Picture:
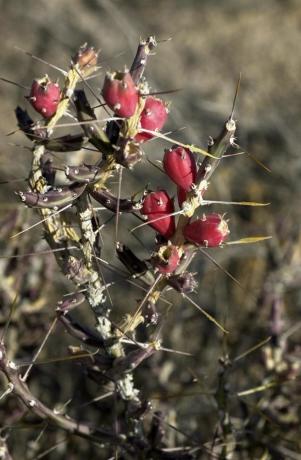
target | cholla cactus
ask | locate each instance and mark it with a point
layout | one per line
(135, 116)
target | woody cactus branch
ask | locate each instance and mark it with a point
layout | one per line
(129, 443)
(21, 390)
(58, 232)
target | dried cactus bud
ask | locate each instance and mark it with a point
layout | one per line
(167, 259)
(158, 206)
(180, 165)
(120, 93)
(85, 57)
(45, 96)
(184, 282)
(210, 231)
(153, 117)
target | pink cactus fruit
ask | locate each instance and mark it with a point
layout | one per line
(158, 206)
(168, 260)
(45, 96)
(180, 165)
(153, 117)
(120, 93)
(211, 230)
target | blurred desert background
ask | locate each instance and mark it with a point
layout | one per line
(203, 47)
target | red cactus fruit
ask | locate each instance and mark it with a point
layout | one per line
(180, 165)
(120, 93)
(45, 96)
(153, 117)
(158, 206)
(167, 260)
(210, 231)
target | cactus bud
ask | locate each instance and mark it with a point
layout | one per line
(179, 164)
(153, 117)
(85, 57)
(120, 93)
(210, 231)
(45, 96)
(155, 206)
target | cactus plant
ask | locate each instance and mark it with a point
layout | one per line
(111, 351)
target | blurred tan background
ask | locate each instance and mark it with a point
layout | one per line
(211, 43)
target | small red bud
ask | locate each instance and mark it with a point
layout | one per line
(156, 205)
(209, 231)
(153, 117)
(120, 93)
(45, 96)
(180, 165)
(167, 259)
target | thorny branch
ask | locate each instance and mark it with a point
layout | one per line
(59, 234)
(130, 443)
(21, 390)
